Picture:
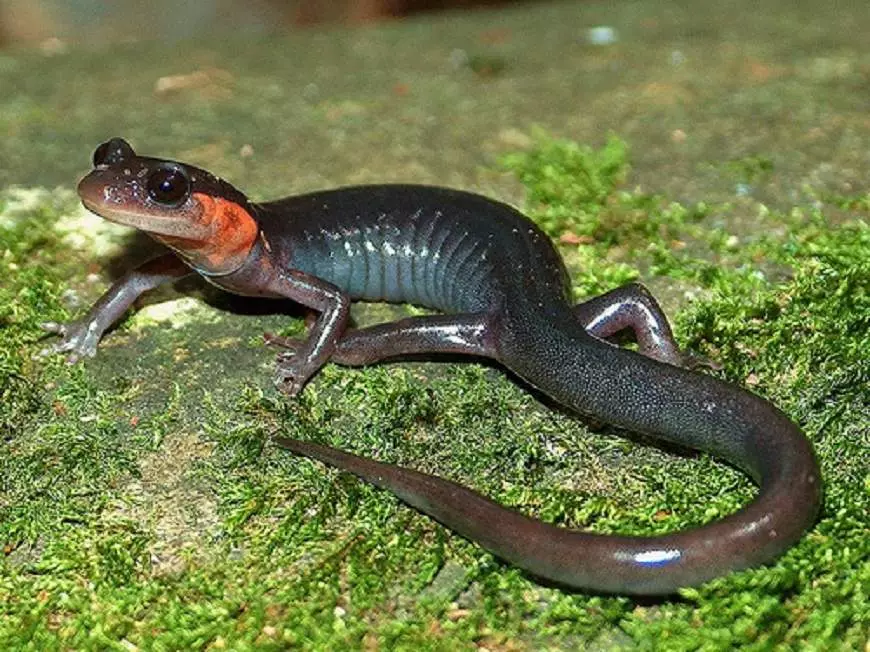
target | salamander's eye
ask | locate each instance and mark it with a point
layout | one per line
(113, 151)
(100, 154)
(168, 186)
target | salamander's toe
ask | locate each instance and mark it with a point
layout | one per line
(289, 343)
(53, 327)
(695, 361)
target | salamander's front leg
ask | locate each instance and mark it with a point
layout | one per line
(296, 367)
(462, 334)
(81, 336)
(633, 307)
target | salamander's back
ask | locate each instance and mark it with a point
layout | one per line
(445, 249)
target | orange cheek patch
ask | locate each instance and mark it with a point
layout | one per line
(233, 235)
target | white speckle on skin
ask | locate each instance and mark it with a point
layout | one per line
(657, 557)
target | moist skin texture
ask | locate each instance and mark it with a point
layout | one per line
(504, 291)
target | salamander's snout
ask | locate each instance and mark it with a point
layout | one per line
(113, 151)
(100, 189)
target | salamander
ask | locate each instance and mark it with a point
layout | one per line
(501, 291)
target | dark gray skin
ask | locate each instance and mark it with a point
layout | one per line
(506, 291)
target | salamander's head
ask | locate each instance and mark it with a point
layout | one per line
(204, 219)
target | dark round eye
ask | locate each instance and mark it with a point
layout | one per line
(169, 186)
(100, 154)
(113, 151)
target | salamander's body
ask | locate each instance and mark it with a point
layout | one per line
(503, 288)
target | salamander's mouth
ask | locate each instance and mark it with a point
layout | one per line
(121, 196)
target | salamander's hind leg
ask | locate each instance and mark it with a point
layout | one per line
(633, 307)
(463, 334)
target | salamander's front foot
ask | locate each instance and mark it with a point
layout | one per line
(291, 373)
(78, 338)
(288, 378)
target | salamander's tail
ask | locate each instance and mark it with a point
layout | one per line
(762, 441)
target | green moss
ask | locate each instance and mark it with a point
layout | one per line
(750, 169)
(158, 515)
(569, 184)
